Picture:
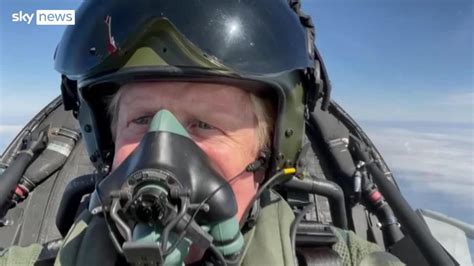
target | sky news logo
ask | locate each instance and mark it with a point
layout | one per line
(46, 17)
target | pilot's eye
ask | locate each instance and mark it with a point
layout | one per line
(143, 120)
(204, 125)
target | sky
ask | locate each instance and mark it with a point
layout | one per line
(402, 69)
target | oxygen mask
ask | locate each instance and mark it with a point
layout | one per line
(166, 196)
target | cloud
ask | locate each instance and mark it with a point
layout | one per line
(438, 161)
(10, 129)
(466, 98)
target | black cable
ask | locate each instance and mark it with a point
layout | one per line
(265, 186)
(294, 227)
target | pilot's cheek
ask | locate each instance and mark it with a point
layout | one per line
(122, 152)
(215, 157)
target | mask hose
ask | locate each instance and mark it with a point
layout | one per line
(202, 206)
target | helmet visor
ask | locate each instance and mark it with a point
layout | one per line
(247, 37)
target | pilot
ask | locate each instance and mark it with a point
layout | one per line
(238, 76)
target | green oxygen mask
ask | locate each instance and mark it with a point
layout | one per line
(165, 197)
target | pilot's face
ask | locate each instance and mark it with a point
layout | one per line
(219, 118)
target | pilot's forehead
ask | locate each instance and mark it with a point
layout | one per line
(212, 97)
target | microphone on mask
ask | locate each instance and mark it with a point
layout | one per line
(261, 162)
